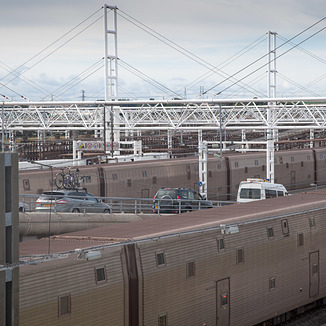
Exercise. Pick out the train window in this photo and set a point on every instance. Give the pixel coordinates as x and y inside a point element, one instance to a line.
<point>240,256</point>
<point>154,180</point>
<point>144,172</point>
<point>114,176</point>
<point>26,184</point>
<point>270,232</point>
<point>312,223</point>
<point>162,321</point>
<point>236,164</point>
<point>314,269</point>
<point>300,239</point>
<point>285,227</point>
<point>64,305</point>
<point>272,283</point>
<point>280,193</point>
<point>190,269</point>
<point>220,244</point>
<point>100,274</point>
<point>160,259</point>
<point>308,157</point>
<point>256,162</point>
<point>292,159</point>
<point>224,299</point>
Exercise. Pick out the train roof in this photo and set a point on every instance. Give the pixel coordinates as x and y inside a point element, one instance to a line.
<point>175,224</point>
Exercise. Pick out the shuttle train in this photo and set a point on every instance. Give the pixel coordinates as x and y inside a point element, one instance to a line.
<point>258,263</point>
<point>295,169</point>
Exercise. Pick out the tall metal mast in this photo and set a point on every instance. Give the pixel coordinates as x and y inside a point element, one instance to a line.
<point>111,54</point>
<point>110,72</point>
<point>271,106</point>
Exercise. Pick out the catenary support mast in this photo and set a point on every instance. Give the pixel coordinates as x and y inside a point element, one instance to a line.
<point>271,133</point>
<point>110,73</point>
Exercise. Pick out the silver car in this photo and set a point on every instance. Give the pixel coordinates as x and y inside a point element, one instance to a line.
<point>70,201</point>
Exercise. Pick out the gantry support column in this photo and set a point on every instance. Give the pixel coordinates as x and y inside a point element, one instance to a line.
<point>9,240</point>
<point>203,159</point>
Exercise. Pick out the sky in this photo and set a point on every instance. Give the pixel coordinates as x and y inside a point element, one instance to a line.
<point>53,50</point>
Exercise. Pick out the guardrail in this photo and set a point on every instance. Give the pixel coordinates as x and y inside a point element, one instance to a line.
<point>132,205</point>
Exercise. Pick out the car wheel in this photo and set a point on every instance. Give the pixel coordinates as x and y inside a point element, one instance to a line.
<point>107,211</point>
<point>75,210</point>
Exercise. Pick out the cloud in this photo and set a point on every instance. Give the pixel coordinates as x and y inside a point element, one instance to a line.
<point>211,31</point>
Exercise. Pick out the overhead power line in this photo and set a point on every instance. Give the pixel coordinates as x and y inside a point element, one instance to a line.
<point>175,46</point>
<point>266,55</point>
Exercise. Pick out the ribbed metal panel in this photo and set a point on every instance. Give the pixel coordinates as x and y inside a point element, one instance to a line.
<point>192,301</point>
<point>91,303</point>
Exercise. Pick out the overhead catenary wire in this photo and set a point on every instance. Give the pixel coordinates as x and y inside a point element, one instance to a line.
<point>50,45</point>
<point>16,71</point>
<point>228,61</point>
<point>249,65</point>
<point>173,45</point>
<point>77,79</point>
<point>148,79</point>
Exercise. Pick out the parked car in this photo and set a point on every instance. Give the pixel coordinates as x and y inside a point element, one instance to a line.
<point>179,200</point>
<point>24,207</point>
<point>71,201</point>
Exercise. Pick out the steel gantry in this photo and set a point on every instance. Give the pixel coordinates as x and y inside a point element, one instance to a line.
<point>234,114</point>
<point>193,115</point>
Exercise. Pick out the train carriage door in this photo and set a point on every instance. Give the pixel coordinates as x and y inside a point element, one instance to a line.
<point>313,274</point>
<point>223,302</point>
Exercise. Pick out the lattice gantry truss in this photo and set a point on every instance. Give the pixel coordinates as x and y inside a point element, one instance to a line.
<point>247,114</point>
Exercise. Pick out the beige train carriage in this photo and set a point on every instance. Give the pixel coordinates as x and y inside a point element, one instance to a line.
<point>236,275</point>
<point>295,169</point>
<point>70,291</point>
<point>320,161</point>
<point>233,265</point>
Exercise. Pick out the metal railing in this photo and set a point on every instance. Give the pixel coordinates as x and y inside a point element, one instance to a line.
<point>130,205</point>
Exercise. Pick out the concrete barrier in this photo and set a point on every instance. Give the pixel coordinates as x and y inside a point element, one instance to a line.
<point>32,224</point>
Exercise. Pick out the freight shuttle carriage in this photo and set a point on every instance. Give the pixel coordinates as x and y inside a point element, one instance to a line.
<point>258,189</point>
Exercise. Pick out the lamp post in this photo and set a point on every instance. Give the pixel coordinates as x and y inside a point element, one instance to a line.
<point>52,182</point>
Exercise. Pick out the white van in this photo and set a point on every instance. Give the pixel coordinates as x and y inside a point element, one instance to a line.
<point>258,189</point>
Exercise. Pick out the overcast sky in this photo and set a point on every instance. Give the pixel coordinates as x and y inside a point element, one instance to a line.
<point>54,49</point>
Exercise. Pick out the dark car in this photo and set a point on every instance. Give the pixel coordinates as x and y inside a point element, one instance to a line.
<point>179,200</point>
<point>71,201</point>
